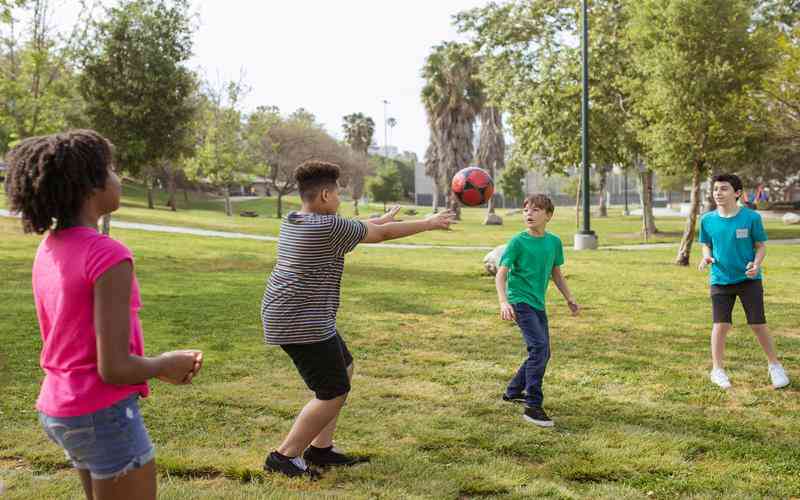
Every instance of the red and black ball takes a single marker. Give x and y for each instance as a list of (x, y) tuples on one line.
[(473, 186)]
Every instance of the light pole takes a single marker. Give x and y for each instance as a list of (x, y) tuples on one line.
[(585, 239)]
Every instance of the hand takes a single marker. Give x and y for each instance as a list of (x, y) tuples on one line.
[(706, 261), (179, 367), (507, 312), (442, 220), (752, 270), (573, 307), (388, 216)]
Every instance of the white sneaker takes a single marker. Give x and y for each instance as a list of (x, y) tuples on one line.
[(719, 377), (778, 376)]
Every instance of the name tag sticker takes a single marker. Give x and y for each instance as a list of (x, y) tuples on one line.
[(742, 233)]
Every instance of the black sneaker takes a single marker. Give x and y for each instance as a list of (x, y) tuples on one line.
[(537, 416), (291, 467), (514, 398), (330, 457)]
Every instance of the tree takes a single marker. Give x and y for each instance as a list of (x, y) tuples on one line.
[(221, 153), (452, 97), (138, 91), (38, 75), (385, 186), (358, 130), (602, 188), (492, 146), (705, 58), (510, 181), (290, 142)]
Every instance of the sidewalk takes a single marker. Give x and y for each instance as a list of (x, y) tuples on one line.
[(460, 248)]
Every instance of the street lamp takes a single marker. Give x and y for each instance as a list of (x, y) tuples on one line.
[(585, 239)]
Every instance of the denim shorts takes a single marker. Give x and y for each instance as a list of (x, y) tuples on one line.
[(108, 443)]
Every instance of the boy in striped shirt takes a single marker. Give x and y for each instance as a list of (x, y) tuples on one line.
[(299, 308)]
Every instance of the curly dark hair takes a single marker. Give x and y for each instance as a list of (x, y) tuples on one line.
[(541, 201), (313, 175), (50, 176)]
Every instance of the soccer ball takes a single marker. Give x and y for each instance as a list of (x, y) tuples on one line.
[(473, 186)]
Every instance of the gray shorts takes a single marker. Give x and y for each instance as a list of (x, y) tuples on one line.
[(108, 443), (750, 293)]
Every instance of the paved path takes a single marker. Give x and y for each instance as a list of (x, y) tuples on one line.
[(227, 234)]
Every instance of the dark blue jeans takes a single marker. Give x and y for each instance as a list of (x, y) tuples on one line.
[(536, 334)]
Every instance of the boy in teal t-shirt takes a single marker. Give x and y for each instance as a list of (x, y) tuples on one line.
[(531, 258), (734, 244)]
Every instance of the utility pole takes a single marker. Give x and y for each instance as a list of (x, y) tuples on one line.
[(585, 239)]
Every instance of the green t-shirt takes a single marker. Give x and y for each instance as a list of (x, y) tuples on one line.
[(530, 261)]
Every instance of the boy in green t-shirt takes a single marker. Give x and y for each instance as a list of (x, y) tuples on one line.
[(531, 258)]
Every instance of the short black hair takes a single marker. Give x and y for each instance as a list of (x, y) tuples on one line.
[(50, 176), (732, 179), (540, 201), (313, 175)]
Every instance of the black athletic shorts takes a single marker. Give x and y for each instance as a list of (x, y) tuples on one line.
[(323, 366), (750, 292)]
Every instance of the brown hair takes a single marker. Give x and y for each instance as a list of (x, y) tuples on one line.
[(50, 176), (541, 201), (314, 175)]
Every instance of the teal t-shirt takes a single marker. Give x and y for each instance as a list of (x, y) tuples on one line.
[(530, 261), (732, 241)]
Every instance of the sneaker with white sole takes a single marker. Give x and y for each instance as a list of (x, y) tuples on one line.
[(778, 376), (719, 377), (537, 416)]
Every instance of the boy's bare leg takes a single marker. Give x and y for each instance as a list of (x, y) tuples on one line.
[(325, 437), (764, 338), (313, 418), (719, 332)]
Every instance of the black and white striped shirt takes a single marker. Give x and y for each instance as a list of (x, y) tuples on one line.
[(302, 293)]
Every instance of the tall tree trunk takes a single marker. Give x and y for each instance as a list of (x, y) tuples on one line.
[(710, 204), (105, 224), (646, 194), (171, 187), (685, 250), (279, 205), (358, 190), (186, 196), (435, 198), (228, 207), (149, 183), (603, 206), (454, 205)]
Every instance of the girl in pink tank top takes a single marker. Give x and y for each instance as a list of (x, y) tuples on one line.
[(87, 303)]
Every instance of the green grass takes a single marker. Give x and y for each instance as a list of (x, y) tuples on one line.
[(205, 212), (627, 383)]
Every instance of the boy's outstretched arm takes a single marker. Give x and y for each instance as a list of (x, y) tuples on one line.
[(561, 284), (506, 309), (393, 230)]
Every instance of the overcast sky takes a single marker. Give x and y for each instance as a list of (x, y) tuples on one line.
[(331, 57)]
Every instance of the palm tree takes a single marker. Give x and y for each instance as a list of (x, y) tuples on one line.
[(491, 147), (358, 132), (452, 97)]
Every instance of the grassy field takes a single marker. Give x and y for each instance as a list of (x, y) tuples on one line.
[(627, 384), (208, 213)]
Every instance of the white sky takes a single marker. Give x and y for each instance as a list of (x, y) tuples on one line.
[(331, 57)]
